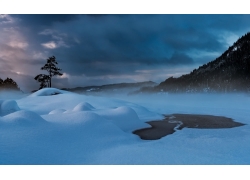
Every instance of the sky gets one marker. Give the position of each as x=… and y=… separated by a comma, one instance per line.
x=97, y=49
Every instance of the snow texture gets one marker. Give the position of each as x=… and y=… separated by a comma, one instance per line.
x=83, y=107
x=8, y=106
x=69, y=128
x=22, y=117
x=48, y=92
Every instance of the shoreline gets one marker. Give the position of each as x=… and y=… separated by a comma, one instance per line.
x=173, y=122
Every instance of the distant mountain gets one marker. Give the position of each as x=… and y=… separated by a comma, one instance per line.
x=111, y=88
x=228, y=73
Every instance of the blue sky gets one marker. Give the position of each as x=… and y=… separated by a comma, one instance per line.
x=102, y=49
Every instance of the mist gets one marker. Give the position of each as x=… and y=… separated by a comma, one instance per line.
x=188, y=103
x=89, y=123
x=13, y=95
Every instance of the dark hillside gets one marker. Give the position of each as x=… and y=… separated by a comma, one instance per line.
x=228, y=73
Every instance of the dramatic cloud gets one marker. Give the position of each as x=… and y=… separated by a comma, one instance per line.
x=99, y=49
x=179, y=58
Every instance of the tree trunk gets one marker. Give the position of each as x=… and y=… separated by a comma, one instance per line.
x=50, y=76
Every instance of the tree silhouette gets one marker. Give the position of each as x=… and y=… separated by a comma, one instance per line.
x=9, y=83
x=1, y=82
x=53, y=70
x=43, y=79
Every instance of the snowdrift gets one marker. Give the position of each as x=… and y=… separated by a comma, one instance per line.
x=58, y=127
x=8, y=106
x=83, y=117
x=72, y=108
x=23, y=118
x=57, y=111
x=84, y=106
x=48, y=92
x=124, y=117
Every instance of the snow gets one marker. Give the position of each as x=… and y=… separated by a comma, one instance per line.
x=8, y=106
x=22, y=117
x=68, y=128
x=235, y=48
x=48, y=92
x=92, y=89
x=125, y=118
x=84, y=106
x=57, y=111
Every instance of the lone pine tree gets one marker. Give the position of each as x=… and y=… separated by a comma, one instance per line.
x=53, y=70
x=43, y=79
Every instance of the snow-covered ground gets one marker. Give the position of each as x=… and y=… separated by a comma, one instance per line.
x=53, y=126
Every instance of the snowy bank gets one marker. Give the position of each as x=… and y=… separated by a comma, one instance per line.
x=69, y=128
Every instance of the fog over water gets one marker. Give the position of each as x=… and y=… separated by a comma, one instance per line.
x=213, y=104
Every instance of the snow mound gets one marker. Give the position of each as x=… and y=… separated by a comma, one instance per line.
x=82, y=117
x=48, y=92
x=8, y=106
x=145, y=115
x=22, y=117
x=57, y=111
x=84, y=106
x=125, y=118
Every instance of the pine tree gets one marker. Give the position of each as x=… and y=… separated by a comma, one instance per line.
x=9, y=83
x=52, y=69
x=43, y=79
x=1, y=82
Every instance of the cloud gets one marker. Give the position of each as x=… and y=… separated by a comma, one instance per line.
x=58, y=39
x=50, y=45
x=6, y=19
x=135, y=38
x=180, y=59
x=89, y=47
x=44, y=20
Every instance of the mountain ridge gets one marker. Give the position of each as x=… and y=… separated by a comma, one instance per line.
x=230, y=72
x=111, y=88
